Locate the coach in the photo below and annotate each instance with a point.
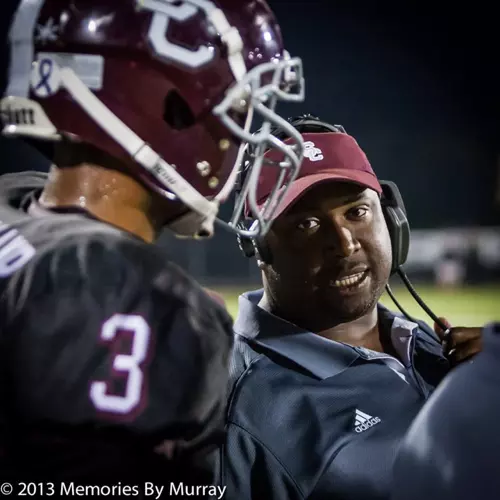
(325, 380)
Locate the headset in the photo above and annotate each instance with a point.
(393, 209)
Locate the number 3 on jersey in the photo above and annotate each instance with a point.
(128, 365)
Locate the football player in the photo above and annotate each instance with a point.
(114, 362)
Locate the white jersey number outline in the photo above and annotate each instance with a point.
(130, 364)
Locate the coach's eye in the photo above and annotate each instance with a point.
(358, 212)
(308, 224)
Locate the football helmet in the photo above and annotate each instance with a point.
(169, 87)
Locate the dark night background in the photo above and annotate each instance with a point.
(418, 87)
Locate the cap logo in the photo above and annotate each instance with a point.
(312, 152)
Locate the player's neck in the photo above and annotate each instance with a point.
(108, 195)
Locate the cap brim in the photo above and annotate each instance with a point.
(302, 185)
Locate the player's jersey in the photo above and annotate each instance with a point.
(112, 359)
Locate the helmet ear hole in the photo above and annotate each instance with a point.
(176, 111)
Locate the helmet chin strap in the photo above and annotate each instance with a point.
(183, 226)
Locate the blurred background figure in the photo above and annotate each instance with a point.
(450, 270)
(425, 110)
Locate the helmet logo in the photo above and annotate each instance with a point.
(312, 152)
(163, 12)
(45, 77)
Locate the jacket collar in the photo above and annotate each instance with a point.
(321, 357)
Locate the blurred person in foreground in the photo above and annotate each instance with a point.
(325, 380)
(114, 362)
(451, 451)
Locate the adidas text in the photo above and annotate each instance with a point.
(366, 425)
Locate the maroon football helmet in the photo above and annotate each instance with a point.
(169, 87)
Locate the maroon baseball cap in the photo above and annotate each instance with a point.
(331, 156)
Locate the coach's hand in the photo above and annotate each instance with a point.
(461, 343)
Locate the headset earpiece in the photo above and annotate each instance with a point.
(397, 223)
(399, 230)
(254, 247)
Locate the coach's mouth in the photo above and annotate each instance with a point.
(352, 282)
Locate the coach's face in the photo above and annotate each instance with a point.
(331, 256)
